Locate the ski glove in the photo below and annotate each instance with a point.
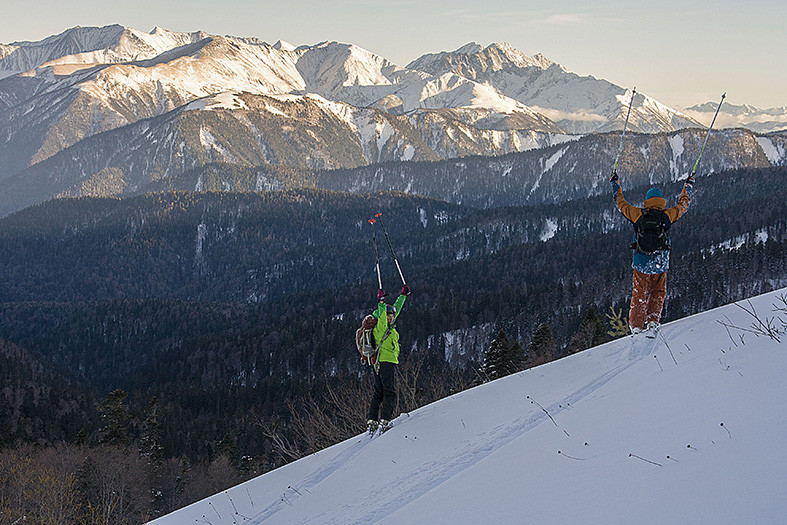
(405, 290)
(690, 180)
(381, 295)
(614, 178)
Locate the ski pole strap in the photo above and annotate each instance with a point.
(376, 364)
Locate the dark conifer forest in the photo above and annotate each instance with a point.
(193, 340)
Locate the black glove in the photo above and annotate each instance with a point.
(690, 180)
(614, 177)
(405, 290)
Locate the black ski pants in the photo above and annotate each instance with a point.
(384, 397)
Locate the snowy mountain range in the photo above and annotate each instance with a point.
(577, 104)
(684, 428)
(496, 85)
(109, 110)
(743, 116)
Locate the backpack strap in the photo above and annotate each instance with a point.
(387, 333)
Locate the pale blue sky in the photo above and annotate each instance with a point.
(680, 52)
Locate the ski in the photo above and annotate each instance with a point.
(385, 427)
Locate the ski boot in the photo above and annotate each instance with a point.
(385, 426)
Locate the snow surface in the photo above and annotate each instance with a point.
(550, 229)
(774, 152)
(620, 433)
(676, 144)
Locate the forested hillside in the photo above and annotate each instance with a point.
(235, 313)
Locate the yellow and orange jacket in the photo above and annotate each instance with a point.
(659, 261)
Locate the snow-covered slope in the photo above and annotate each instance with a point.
(685, 428)
(578, 104)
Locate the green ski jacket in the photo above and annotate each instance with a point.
(389, 350)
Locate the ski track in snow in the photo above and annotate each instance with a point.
(487, 434)
(417, 483)
(318, 477)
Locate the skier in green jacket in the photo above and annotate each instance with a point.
(387, 338)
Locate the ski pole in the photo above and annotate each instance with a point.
(620, 147)
(379, 218)
(376, 257)
(693, 171)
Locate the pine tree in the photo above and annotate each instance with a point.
(228, 448)
(502, 358)
(115, 417)
(591, 332)
(150, 440)
(543, 348)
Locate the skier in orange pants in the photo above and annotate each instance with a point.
(651, 251)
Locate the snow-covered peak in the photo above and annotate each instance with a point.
(93, 45)
(515, 57)
(284, 46)
(474, 61)
(578, 104)
(329, 67)
(469, 49)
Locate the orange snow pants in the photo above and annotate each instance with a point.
(647, 298)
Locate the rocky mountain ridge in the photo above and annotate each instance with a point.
(105, 111)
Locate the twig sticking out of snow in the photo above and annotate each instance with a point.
(767, 326)
(645, 460)
(570, 457)
(728, 430)
(232, 502)
(544, 409)
(548, 414)
(664, 338)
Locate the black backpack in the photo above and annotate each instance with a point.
(652, 231)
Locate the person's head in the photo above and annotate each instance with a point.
(653, 192)
(391, 311)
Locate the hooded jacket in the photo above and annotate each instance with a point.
(659, 261)
(389, 350)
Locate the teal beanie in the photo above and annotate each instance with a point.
(653, 192)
